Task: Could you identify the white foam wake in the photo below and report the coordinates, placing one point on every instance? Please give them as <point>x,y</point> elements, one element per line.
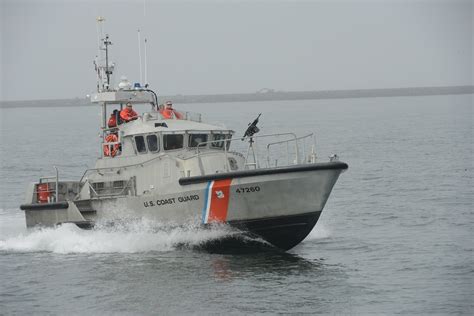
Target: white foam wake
<point>135,237</point>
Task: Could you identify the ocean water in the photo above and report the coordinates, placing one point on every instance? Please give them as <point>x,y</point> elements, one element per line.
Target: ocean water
<point>396,235</point>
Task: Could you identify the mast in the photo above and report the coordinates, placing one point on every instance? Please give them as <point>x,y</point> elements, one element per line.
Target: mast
<point>104,68</point>
<point>146,76</point>
<point>108,72</point>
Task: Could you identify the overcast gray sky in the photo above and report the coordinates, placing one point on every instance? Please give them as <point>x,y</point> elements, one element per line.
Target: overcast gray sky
<point>206,47</point>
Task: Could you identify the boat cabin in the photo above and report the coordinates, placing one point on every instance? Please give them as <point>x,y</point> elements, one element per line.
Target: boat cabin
<point>198,148</point>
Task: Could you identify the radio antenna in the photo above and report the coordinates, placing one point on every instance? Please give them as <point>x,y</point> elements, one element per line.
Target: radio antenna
<point>108,72</point>
<point>146,72</point>
<point>140,55</point>
<point>100,35</point>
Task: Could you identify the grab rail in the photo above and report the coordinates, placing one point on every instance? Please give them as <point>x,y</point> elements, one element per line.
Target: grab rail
<point>128,185</point>
<point>226,152</point>
<point>56,182</point>
<point>255,163</point>
<point>287,149</point>
<point>120,167</point>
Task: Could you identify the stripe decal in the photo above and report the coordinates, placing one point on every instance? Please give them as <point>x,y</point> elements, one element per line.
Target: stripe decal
<point>217,201</point>
<point>205,210</point>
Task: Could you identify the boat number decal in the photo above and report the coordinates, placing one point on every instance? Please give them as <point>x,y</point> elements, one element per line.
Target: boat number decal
<point>248,189</point>
<point>181,199</point>
<point>216,201</point>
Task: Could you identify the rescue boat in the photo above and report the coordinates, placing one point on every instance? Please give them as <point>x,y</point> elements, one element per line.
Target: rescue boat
<point>179,170</point>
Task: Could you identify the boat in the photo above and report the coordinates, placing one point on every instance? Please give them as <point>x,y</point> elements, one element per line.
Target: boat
<point>179,170</point>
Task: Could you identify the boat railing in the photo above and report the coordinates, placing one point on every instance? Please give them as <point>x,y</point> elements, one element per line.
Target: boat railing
<point>294,147</point>
<point>253,156</point>
<point>47,180</point>
<point>184,115</point>
<point>121,190</point>
<point>297,159</point>
<point>98,170</point>
<point>191,116</point>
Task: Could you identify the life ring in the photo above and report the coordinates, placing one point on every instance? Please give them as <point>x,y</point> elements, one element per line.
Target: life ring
<point>111,150</point>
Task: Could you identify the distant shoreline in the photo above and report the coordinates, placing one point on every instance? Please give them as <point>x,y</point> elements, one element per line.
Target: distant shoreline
<point>265,95</point>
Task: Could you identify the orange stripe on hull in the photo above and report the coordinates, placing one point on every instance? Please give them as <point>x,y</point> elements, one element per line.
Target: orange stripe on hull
<point>219,200</point>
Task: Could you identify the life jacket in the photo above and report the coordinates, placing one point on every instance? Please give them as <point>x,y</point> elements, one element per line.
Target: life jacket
<point>169,114</point>
<point>111,150</point>
<point>112,121</point>
<point>128,115</point>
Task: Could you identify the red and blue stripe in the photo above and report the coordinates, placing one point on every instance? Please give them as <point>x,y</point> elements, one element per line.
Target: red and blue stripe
<point>216,201</point>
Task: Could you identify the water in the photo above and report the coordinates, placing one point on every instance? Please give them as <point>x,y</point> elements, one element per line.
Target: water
<point>395,236</point>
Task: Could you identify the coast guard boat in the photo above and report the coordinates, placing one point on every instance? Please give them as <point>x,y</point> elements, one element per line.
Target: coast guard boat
<point>176,169</point>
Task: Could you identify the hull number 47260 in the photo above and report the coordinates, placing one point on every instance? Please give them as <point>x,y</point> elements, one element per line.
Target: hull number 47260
<point>248,189</point>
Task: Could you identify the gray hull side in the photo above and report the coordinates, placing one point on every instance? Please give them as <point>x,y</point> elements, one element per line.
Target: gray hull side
<point>266,196</point>
<point>281,206</point>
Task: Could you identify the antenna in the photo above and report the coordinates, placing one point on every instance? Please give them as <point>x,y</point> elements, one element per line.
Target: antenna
<point>107,71</point>
<point>140,55</point>
<point>100,34</point>
<point>99,57</point>
<point>146,76</point>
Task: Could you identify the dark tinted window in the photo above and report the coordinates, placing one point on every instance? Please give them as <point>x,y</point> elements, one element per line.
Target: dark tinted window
<point>220,138</point>
<point>152,142</point>
<point>220,143</point>
<point>196,139</point>
<point>171,142</point>
<point>118,184</point>
<point>140,143</point>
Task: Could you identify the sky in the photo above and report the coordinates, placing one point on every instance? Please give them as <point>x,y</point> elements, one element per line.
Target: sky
<point>213,47</point>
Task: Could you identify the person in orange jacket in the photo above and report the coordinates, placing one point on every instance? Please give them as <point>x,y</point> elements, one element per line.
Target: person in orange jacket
<point>168,112</point>
<point>113,119</point>
<point>128,114</point>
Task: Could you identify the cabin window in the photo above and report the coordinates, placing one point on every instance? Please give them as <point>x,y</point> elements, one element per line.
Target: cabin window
<point>98,186</point>
<point>118,184</point>
<point>140,143</point>
<point>152,142</point>
<point>173,141</point>
<point>220,141</point>
<point>196,139</point>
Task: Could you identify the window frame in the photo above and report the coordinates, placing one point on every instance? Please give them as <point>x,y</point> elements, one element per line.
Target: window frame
<point>227,137</point>
<point>144,143</point>
<point>157,143</point>
<point>190,134</point>
<point>174,134</point>
<point>219,141</point>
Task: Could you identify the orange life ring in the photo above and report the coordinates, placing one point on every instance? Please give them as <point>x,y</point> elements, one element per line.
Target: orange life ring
<point>111,150</point>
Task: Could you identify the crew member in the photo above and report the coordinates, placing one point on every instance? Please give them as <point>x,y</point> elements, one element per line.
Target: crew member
<point>128,114</point>
<point>113,119</point>
<point>168,112</point>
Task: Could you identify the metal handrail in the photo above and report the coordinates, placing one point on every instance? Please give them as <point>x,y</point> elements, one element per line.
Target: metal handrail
<point>287,142</point>
<point>198,153</point>
<point>121,167</point>
<point>56,184</point>
<point>126,186</point>
<point>295,138</point>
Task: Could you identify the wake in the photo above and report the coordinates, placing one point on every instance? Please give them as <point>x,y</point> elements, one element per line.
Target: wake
<point>133,237</point>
